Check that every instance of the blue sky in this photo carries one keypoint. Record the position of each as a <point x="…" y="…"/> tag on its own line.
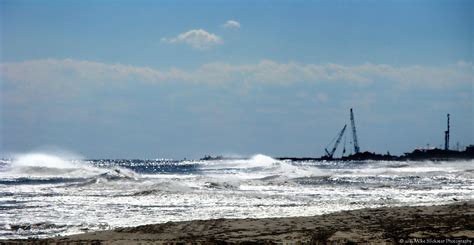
<point x="175" y="79"/>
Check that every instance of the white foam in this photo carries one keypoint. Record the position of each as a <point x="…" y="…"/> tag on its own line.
<point x="40" y="165"/>
<point x="419" y="168"/>
<point x="228" y="188"/>
<point x="257" y="167"/>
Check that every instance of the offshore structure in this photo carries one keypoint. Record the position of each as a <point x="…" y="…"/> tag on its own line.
<point x="330" y="154"/>
<point x="417" y="154"/>
<point x="446" y="137"/>
<point x="435" y="154"/>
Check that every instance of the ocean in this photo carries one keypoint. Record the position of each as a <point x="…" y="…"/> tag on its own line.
<point x="44" y="195"/>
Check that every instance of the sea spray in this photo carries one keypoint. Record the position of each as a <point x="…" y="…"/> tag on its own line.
<point x="41" y="160"/>
<point x="90" y="195"/>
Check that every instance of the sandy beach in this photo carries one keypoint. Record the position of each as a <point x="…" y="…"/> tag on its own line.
<point x="421" y="224"/>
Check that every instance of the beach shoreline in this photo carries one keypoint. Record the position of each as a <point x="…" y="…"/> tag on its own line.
<point x="407" y="224"/>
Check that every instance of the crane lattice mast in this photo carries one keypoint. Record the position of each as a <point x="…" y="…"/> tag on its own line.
<point x="354" y="134"/>
<point x="446" y="137"/>
<point x="339" y="137"/>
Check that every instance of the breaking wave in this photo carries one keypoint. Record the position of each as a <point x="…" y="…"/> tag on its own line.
<point x="41" y="168"/>
<point x="47" y="194"/>
<point x="259" y="167"/>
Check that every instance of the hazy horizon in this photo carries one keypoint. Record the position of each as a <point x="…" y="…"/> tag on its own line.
<point x="176" y="79"/>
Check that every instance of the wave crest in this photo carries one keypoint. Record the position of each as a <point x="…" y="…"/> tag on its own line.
<point x="46" y="166"/>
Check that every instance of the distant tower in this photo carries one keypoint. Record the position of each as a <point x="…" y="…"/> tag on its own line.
<point x="446" y="137"/>
<point x="354" y="134"/>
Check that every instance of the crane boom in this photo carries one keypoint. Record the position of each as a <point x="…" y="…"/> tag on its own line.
<point x="354" y="134"/>
<point x="330" y="154"/>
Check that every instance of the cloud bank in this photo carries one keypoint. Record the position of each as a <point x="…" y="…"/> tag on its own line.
<point x="71" y="72"/>
<point x="198" y="39"/>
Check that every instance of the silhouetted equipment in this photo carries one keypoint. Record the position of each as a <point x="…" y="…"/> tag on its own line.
<point x="354" y="134"/>
<point x="344" y="148"/>
<point x="446" y="137"/>
<point x="431" y="152"/>
<point x="330" y="154"/>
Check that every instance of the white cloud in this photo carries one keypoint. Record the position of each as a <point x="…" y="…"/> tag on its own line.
<point x="231" y="24"/>
<point x="198" y="39"/>
<point x="67" y="77"/>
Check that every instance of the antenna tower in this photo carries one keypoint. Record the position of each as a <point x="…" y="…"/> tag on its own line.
<point x="446" y="137"/>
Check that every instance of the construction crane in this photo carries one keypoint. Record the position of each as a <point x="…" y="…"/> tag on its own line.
<point x="344" y="147"/>
<point x="354" y="134"/>
<point x="446" y="137"/>
<point x="331" y="153"/>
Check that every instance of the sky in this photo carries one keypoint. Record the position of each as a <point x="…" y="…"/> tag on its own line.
<point x="181" y="79"/>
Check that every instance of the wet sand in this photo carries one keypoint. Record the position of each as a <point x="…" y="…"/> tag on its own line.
<point x="422" y="224"/>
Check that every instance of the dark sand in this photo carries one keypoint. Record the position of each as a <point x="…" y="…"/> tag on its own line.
<point x="423" y="224"/>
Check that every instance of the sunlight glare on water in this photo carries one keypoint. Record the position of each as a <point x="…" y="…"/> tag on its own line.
<point x="44" y="195"/>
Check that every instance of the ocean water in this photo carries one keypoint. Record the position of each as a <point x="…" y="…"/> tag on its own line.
<point x="44" y="195"/>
